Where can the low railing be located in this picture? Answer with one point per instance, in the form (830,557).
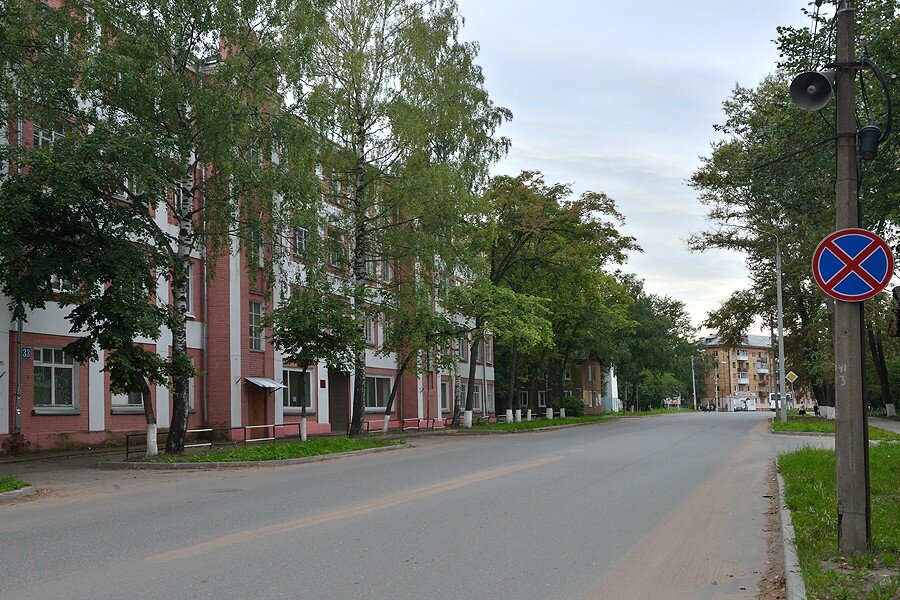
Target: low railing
(225,434)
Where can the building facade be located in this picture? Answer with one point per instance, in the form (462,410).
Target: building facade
(739,375)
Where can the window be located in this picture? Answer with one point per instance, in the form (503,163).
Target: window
(461,348)
(370,330)
(336,189)
(129,399)
(567,393)
(255,248)
(568,375)
(291,394)
(58,285)
(387,271)
(490,396)
(591,397)
(256,329)
(46,135)
(542,398)
(489,351)
(337,249)
(445,395)
(54,378)
(189,288)
(591,374)
(300,235)
(371,266)
(523,398)
(378,389)
(182,196)
(320,171)
(476,400)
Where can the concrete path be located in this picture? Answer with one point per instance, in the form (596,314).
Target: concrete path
(661,507)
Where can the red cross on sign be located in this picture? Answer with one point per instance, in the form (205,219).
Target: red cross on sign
(852,265)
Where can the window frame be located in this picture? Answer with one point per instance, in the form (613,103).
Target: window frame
(39,362)
(286,396)
(379,380)
(542,399)
(256,329)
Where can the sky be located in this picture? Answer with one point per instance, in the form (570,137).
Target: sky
(621,97)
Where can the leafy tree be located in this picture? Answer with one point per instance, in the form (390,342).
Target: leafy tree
(182,97)
(314,324)
(408,132)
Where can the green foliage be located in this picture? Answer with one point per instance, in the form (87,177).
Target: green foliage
(809,476)
(813,424)
(11,483)
(574,405)
(281,450)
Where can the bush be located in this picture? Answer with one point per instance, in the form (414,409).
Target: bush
(574,406)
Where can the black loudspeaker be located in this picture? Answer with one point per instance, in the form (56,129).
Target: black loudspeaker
(812,90)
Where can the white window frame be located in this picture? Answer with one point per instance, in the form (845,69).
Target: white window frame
(489,351)
(370,330)
(189,288)
(591,373)
(58,362)
(256,329)
(300,237)
(567,393)
(476,400)
(382,388)
(59,285)
(461,343)
(542,398)
(523,398)
(129,400)
(287,395)
(445,396)
(43,137)
(567,374)
(387,270)
(490,397)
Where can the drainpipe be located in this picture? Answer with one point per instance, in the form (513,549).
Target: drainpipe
(17,423)
(205,399)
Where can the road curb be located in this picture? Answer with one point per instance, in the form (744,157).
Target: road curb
(205,466)
(793,577)
(475,431)
(806,433)
(17,494)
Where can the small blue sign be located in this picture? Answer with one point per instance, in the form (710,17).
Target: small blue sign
(26,352)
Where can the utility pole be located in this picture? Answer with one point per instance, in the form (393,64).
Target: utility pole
(694,381)
(851,439)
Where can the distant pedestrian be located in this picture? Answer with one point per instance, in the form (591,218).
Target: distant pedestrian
(816,408)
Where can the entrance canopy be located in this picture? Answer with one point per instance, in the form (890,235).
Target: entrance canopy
(265,383)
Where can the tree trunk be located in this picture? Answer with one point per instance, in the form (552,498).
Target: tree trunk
(149,414)
(389,407)
(473,366)
(513,372)
(876,348)
(360,252)
(178,429)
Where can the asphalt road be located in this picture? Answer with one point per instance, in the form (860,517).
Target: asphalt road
(658,507)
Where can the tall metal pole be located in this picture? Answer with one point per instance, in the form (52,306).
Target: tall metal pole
(851,438)
(781,374)
(694,381)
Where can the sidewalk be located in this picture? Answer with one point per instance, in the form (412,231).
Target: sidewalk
(888,424)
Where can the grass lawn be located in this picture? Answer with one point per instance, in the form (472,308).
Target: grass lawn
(280,450)
(538,423)
(813,424)
(8,484)
(809,476)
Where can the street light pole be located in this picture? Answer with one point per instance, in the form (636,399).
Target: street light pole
(781,373)
(694,381)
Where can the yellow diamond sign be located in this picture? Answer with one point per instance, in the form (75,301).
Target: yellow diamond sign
(791,377)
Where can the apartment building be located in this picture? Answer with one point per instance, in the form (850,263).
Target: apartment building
(242,382)
(738,375)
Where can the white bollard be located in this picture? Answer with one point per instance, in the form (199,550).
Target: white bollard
(549,413)
(528,414)
(518,415)
(303,429)
(509,415)
(384,426)
(562,413)
(467,418)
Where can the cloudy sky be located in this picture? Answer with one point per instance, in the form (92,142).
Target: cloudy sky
(621,97)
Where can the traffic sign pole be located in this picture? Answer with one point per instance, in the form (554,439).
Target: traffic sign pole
(851,439)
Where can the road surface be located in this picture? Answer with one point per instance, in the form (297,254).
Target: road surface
(658,507)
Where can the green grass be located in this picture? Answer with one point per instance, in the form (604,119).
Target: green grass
(8,484)
(538,423)
(809,476)
(813,424)
(280,450)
